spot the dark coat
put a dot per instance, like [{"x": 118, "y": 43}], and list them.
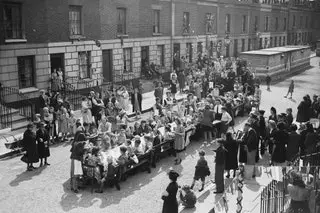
[
  {"x": 251, "y": 140},
  {"x": 310, "y": 142},
  {"x": 139, "y": 100},
  {"x": 43, "y": 147},
  {"x": 231, "y": 155},
  {"x": 170, "y": 204},
  {"x": 281, "y": 138},
  {"x": 293, "y": 145},
  {"x": 303, "y": 112},
  {"x": 30, "y": 145}
]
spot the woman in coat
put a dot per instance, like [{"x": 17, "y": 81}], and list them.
[
  {"x": 206, "y": 123},
  {"x": 219, "y": 167},
  {"x": 231, "y": 155},
  {"x": 43, "y": 139},
  {"x": 281, "y": 138},
  {"x": 170, "y": 204},
  {"x": 293, "y": 144},
  {"x": 303, "y": 111},
  {"x": 30, "y": 145}
]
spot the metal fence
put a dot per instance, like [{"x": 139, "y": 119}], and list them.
[{"x": 312, "y": 159}]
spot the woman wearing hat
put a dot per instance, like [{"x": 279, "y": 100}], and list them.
[
  {"x": 30, "y": 145},
  {"x": 219, "y": 166},
  {"x": 170, "y": 204},
  {"x": 42, "y": 137}
]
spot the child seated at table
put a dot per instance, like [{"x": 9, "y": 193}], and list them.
[
  {"x": 138, "y": 148},
  {"x": 92, "y": 161},
  {"x": 122, "y": 135},
  {"x": 111, "y": 176}
]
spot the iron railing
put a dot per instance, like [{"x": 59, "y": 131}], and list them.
[
  {"x": 12, "y": 98},
  {"x": 5, "y": 116},
  {"x": 312, "y": 159},
  {"x": 68, "y": 91}
]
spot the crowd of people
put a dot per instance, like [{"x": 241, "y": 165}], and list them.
[{"x": 218, "y": 90}]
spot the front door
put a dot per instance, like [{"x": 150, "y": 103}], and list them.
[
  {"x": 235, "y": 48},
  {"x": 107, "y": 66},
  {"x": 144, "y": 56},
  {"x": 57, "y": 62},
  {"x": 176, "y": 56}
]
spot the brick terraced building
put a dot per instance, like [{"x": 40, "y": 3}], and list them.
[{"x": 97, "y": 41}]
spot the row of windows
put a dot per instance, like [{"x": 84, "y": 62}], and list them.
[
  {"x": 12, "y": 19},
  {"x": 26, "y": 65}
]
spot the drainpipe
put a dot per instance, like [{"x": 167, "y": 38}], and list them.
[{"x": 172, "y": 33}]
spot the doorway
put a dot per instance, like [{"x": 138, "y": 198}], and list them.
[
  {"x": 57, "y": 62},
  {"x": 144, "y": 56},
  {"x": 235, "y": 48},
  {"x": 107, "y": 66},
  {"x": 176, "y": 56}
]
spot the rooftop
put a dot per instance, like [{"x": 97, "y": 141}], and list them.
[{"x": 275, "y": 50}]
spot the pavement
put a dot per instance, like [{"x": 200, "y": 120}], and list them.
[{"x": 47, "y": 189}]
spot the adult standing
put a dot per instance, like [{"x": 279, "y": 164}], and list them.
[
  {"x": 135, "y": 102},
  {"x": 299, "y": 194},
  {"x": 179, "y": 140},
  {"x": 86, "y": 106},
  {"x": 293, "y": 144},
  {"x": 181, "y": 79},
  {"x": 173, "y": 88},
  {"x": 219, "y": 167},
  {"x": 170, "y": 204},
  {"x": 250, "y": 140},
  {"x": 281, "y": 139},
  {"x": 231, "y": 155},
  {"x": 42, "y": 102},
  {"x": 43, "y": 138},
  {"x": 97, "y": 106},
  {"x": 158, "y": 91},
  {"x": 290, "y": 89},
  {"x": 273, "y": 115},
  {"x": 268, "y": 81},
  {"x": 30, "y": 145},
  {"x": 225, "y": 120},
  {"x": 303, "y": 111},
  {"x": 206, "y": 123}
]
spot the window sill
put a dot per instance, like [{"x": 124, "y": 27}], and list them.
[
  {"x": 122, "y": 36},
  {"x": 156, "y": 34},
  {"x": 186, "y": 34},
  {"x": 28, "y": 90},
  {"x": 76, "y": 37},
  {"x": 8, "y": 41}
]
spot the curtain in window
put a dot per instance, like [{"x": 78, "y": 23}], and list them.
[
  {"x": 26, "y": 72},
  {"x": 12, "y": 21},
  {"x": 75, "y": 21},
  {"x": 84, "y": 64},
  {"x": 156, "y": 21},
  {"x": 121, "y": 21},
  {"x": 127, "y": 60}
]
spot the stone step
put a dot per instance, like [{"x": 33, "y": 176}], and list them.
[{"x": 19, "y": 125}]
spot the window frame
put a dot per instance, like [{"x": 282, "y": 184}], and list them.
[
  {"x": 18, "y": 22},
  {"x": 124, "y": 21},
  {"x": 293, "y": 21},
  {"x": 256, "y": 24},
  {"x": 284, "y": 24},
  {"x": 207, "y": 24},
  {"x": 266, "y": 23},
  {"x": 33, "y": 72},
  {"x": 78, "y": 9},
  {"x": 243, "y": 45},
  {"x": 189, "y": 51},
  {"x": 161, "y": 50},
  {"x": 125, "y": 60},
  {"x": 228, "y": 23},
  {"x": 87, "y": 66},
  {"x": 301, "y": 22},
  {"x": 277, "y": 24},
  {"x": 244, "y": 24},
  {"x": 156, "y": 22},
  {"x": 186, "y": 22}
]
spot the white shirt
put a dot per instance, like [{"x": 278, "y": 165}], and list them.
[{"x": 226, "y": 117}]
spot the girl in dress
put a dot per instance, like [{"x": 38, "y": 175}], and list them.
[
  {"x": 72, "y": 124},
  {"x": 48, "y": 119},
  {"x": 173, "y": 87},
  {"x": 63, "y": 122},
  {"x": 179, "y": 140},
  {"x": 86, "y": 110},
  {"x": 168, "y": 102},
  {"x": 126, "y": 99}
]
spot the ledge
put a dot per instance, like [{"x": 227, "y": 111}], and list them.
[
  {"x": 76, "y": 37},
  {"x": 28, "y": 90},
  {"x": 10, "y": 41},
  {"x": 156, "y": 34},
  {"x": 122, "y": 36}
]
